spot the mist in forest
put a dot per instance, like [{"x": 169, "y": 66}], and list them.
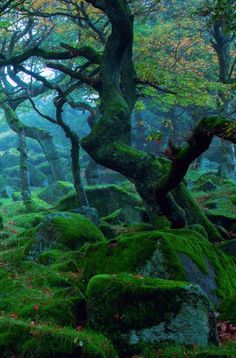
[{"x": 117, "y": 178}]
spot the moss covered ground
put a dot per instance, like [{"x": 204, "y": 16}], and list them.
[
  {"x": 43, "y": 303},
  {"x": 42, "y": 309},
  {"x": 131, "y": 252}
]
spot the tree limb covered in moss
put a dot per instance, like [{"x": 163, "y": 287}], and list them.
[
  {"x": 197, "y": 144},
  {"x": 94, "y": 83},
  {"x": 86, "y": 52}
]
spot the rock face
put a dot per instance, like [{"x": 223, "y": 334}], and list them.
[
  {"x": 63, "y": 231},
  {"x": 133, "y": 310},
  {"x": 56, "y": 191},
  {"x": 184, "y": 255}
]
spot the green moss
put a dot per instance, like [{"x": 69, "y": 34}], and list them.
[
  {"x": 132, "y": 309},
  {"x": 139, "y": 252},
  {"x": 64, "y": 231},
  {"x": 105, "y": 198},
  {"x": 233, "y": 199},
  {"x": 76, "y": 227},
  {"x": 61, "y": 260},
  {"x": 68, "y": 202},
  {"x": 218, "y": 204},
  {"x": 56, "y": 191},
  {"x": 199, "y": 249},
  {"x": 113, "y": 217},
  {"x": 29, "y": 339},
  {"x": 228, "y": 311},
  {"x": 217, "y": 180},
  {"x": 27, "y": 221},
  {"x": 177, "y": 351},
  {"x": 122, "y": 255},
  {"x": 194, "y": 214},
  {"x": 133, "y": 297}
]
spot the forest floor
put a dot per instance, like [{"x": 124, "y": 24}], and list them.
[{"x": 43, "y": 304}]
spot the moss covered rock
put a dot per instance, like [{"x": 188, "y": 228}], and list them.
[
  {"x": 171, "y": 254},
  {"x": 37, "y": 178},
  {"x": 56, "y": 191},
  {"x": 64, "y": 230},
  {"x": 133, "y": 310},
  {"x": 107, "y": 199},
  {"x": 29, "y": 339}
]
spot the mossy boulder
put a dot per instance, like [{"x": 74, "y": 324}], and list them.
[
  {"x": 64, "y": 231},
  {"x": 61, "y": 260},
  {"x": 228, "y": 311},
  {"x": 107, "y": 199},
  {"x": 37, "y": 178},
  {"x": 29, "y": 339},
  {"x": 133, "y": 310},
  {"x": 184, "y": 255},
  {"x": 56, "y": 191}
]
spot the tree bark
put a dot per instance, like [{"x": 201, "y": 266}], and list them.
[
  {"x": 75, "y": 153},
  {"x": 15, "y": 124},
  {"x": 45, "y": 139},
  {"x": 109, "y": 141},
  {"x": 24, "y": 173}
]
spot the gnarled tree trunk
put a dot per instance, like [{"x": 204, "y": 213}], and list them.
[
  {"x": 109, "y": 141},
  {"x": 43, "y": 137}
]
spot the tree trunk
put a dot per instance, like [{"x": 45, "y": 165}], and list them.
[
  {"x": 24, "y": 174},
  {"x": 76, "y": 171},
  {"x": 109, "y": 141},
  {"x": 15, "y": 124},
  {"x": 75, "y": 153},
  {"x": 46, "y": 142},
  {"x": 43, "y": 137}
]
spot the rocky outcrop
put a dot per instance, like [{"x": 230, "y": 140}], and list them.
[{"x": 134, "y": 310}]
